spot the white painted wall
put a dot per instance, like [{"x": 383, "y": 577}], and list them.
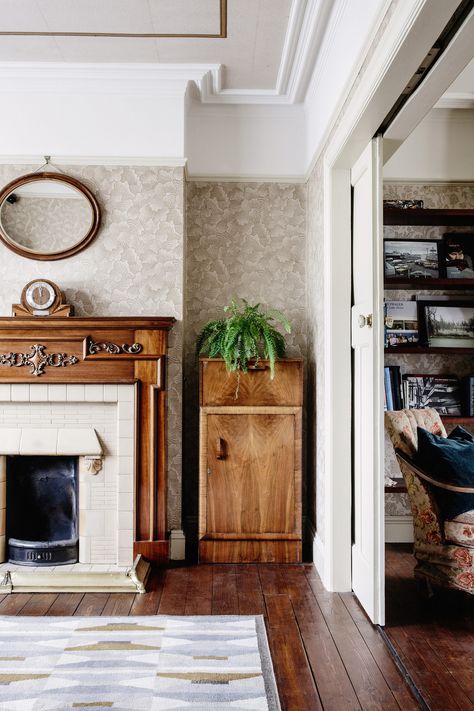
[
  {"x": 246, "y": 141},
  {"x": 440, "y": 148}
]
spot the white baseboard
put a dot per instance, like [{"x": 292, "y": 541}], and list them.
[
  {"x": 318, "y": 556},
  {"x": 398, "y": 529}
]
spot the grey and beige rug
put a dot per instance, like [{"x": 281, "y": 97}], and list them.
[{"x": 135, "y": 664}]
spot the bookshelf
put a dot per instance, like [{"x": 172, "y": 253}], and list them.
[{"x": 422, "y": 217}]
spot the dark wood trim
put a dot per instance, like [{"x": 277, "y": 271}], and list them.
[
  {"x": 59, "y": 178},
  {"x": 425, "y": 284},
  {"x": 427, "y": 217}
]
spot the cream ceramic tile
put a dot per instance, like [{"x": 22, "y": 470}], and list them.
[
  {"x": 20, "y": 392},
  {"x": 125, "y": 466},
  {"x": 110, "y": 393},
  {"x": 94, "y": 393},
  {"x": 125, "y": 520},
  {"x": 81, "y": 441},
  {"x": 126, "y": 446},
  {"x": 126, "y": 411},
  {"x": 92, "y": 523},
  {"x": 125, "y": 502},
  {"x": 38, "y": 441},
  {"x": 126, "y": 428},
  {"x": 10, "y": 440},
  {"x": 125, "y": 484},
  {"x": 5, "y": 392},
  {"x": 125, "y": 556},
  {"x": 75, "y": 393},
  {"x": 57, "y": 393},
  {"x": 39, "y": 393},
  {"x": 125, "y": 539},
  {"x": 126, "y": 393}
]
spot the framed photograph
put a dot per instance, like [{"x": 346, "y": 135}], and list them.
[
  {"x": 401, "y": 323},
  {"x": 448, "y": 324},
  {"x": 442, "y": 392},
  {"x": 459, "y": 255},
  {"x": 412, "y": 259}
]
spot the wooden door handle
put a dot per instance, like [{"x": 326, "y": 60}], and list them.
[
  {"x": 257, "y": 366},
  {"x": 221, "y": 453}
]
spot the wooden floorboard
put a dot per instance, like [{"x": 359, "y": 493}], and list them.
[
  {"x": 434, "y": 638},
  {"x": 326, "y": 654}
]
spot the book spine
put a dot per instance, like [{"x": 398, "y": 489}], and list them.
[
  {"x": 388, "y": 388},
  {"x": 396, "y": 387}
]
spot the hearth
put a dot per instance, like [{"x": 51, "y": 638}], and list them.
[{"x": 42, "y": 510}]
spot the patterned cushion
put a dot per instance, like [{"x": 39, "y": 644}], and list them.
[
  {"x": 460, "y": 530},
  {"x": 402, "y": 426}
]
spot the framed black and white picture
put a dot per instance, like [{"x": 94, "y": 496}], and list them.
[
  {"x": 412, "y": 259},
  {"x": 448, "y": 324},
  {"x": 459, "y": 255},
  {"x": 443, "y": 393}
]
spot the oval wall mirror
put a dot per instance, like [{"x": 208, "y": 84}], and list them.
[{"x": 47, "y": 216}]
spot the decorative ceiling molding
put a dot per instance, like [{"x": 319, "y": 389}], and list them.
[
  {"x": 221, "y": 31},
  {"x": 306, "y": 27},
  {"x": 453, "y": 100}
]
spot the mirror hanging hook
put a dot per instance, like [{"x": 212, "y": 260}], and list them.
[{"x": 47, "y": 164}]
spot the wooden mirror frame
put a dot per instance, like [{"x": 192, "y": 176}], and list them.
[{"x": 60, "y": 178}]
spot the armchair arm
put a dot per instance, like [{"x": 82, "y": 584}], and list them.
[{"x": 434, "y": 482}]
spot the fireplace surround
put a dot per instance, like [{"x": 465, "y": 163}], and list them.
[{"x": 63, "y": 377}]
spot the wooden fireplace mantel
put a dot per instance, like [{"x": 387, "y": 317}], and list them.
[{"x": 105, "y": 350}]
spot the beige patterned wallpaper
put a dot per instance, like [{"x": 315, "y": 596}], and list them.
[
  {"x": 245, "y": 240},
  {"x": 134, "y": 267},
  {"x": 434, "y": 195}
]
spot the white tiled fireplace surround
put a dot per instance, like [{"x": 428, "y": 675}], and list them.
[{"x": 106, "y": 497}]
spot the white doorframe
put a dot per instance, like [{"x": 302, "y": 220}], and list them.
[{"x": 413, "y": 27}]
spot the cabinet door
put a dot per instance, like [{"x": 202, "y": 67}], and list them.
[{"x": 251, "y": 473}]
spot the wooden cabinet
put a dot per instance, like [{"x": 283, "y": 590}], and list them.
[{"x": 250, "y": 463}]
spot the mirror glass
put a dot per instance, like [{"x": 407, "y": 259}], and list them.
[{"x": 46, "y": 216}]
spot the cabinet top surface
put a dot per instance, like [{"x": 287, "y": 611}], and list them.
[{"x": 79, "y": 322}]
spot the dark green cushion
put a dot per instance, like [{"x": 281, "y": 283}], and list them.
[{"x": 449, "y": 460}]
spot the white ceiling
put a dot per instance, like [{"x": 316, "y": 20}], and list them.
[{"x": 251, "y": 54}]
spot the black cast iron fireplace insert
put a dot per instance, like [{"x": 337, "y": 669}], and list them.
[{"x": 42, "y": 526}]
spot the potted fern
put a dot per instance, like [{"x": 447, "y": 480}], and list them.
[{"x": 245, "y": 336}]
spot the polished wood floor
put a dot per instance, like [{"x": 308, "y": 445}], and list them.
[
  {"x": 326, "y": 654},
  {"x": 434, "y": 637}
]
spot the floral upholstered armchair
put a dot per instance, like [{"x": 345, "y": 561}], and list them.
[{"x": 443, "y": 548}]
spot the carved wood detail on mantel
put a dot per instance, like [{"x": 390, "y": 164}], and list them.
[{"x": 105, "y": 350}]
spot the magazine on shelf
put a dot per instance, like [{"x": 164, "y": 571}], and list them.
[
  {"x": 401, "y": 323},
  {"x": 468, "y": 396}
]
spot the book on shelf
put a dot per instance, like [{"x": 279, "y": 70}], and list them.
[
  {"x": 393, "y": 388},
  {"x": 401, "y": 323},
  {"x": 468, "y": 395}
]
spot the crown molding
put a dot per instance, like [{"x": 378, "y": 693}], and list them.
[
  {"x": 149, "y": 79},
  {"x": 139, "y": 161},
  {"x": 306, "y": 26},
  {"x": 453, "y": 100}
]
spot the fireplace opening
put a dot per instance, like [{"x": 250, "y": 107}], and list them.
[{"x": 42, "y": 524}]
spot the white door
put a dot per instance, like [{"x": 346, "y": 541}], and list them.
[{"x": 368, "y": 577}]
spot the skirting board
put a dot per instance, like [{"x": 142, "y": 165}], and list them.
[
  {"x": 398, "y": 529},
  {"x": 19, "y": 579}
]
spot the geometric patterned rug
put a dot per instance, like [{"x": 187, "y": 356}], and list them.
[{"x": 158, "y": 663}]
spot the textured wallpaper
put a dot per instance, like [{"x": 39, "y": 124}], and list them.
[
  {"x": 245, "y": 240},
  {"x": 434, "y": 195},
  {"x": 134, "y": 267}
]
